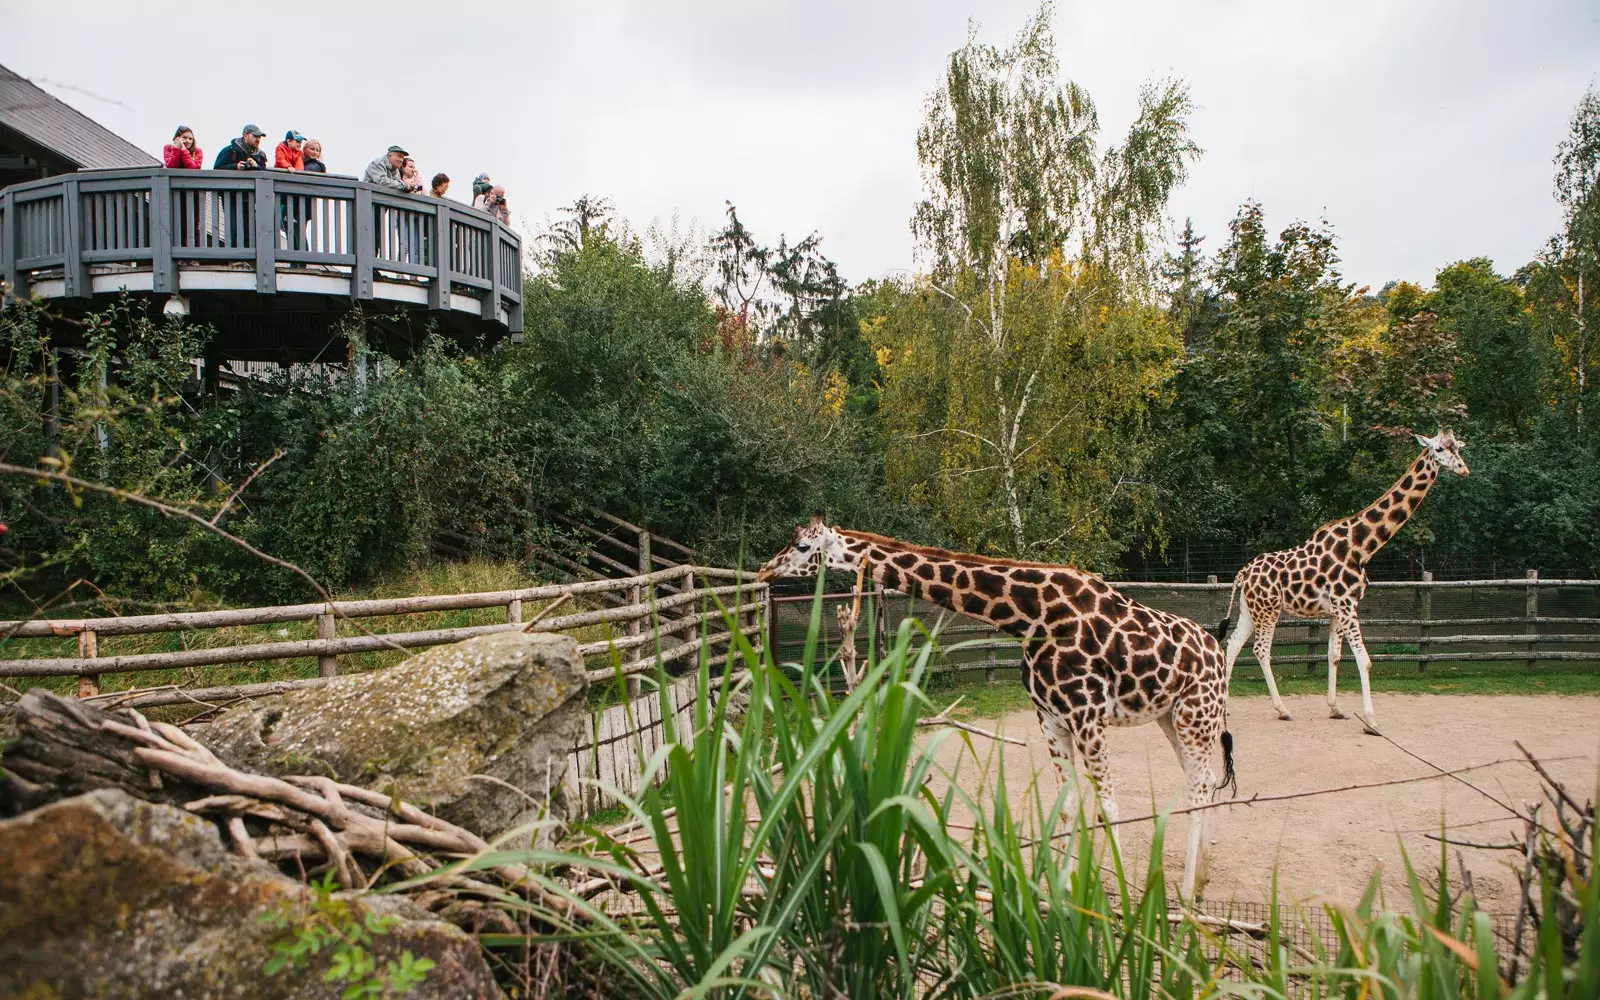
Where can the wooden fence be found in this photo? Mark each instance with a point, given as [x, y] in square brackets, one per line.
[1527, 620]
[674, 619]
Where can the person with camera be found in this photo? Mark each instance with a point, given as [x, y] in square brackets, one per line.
[243, 153]
[493, 202]
[181, 153]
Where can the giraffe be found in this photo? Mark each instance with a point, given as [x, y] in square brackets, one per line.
[1092, 658]
[1326, 576]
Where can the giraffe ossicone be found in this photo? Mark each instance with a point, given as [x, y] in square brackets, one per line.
[1325, 577]
[1092, 657]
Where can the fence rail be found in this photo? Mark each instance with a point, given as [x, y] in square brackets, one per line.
[674, 620]
[1432, 621]
[162, 231]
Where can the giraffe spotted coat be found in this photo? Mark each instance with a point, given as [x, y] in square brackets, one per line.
[1092, 657]
[1326, 576]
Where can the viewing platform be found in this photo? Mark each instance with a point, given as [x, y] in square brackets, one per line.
[273, 259]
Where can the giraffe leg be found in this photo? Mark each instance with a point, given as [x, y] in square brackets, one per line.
[1240, 635]
[1193, 747]
[1350, 629]
[1334, 650]
[1265, 628]
[1090, 740]
[1059, 739]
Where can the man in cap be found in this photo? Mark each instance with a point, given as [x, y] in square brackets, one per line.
[385, 170]
[290, 154]
[243, 153]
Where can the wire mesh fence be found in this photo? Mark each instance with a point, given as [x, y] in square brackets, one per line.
[1408, 625]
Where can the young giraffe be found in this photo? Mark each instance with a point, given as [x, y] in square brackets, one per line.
[1326, 576]
[1092, 658]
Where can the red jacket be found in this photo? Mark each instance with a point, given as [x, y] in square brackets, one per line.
[290, 159]
[182, 159]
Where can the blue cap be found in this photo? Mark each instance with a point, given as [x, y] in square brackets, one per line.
[292, 136]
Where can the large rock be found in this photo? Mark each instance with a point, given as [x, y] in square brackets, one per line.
[506, 705]
[108, 896]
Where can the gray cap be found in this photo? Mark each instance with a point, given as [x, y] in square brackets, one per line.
[397, 149]
[252, 130]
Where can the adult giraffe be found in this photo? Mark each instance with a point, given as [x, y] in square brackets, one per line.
[1092, 657]
[1327, 575]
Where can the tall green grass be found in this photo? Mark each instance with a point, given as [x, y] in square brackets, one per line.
[808, 858]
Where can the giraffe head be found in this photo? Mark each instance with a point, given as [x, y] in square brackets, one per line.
[1445, 449]
[811, 543]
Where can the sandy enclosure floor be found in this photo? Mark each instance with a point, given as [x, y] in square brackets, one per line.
[1332, 843]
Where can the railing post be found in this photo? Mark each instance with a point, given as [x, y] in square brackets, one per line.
[266, 236]
[362, 277]
[163, 268]
[1425, 614]
[327, 666]
[88, 649]
[9, 272]
[75, 271]
[1532, 612]
[514, 610]
[439, 293]
[988, 672]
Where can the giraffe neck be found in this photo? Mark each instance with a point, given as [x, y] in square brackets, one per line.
[1385, 516]
[1013, 597]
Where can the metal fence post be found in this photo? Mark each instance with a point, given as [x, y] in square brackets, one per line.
[1424, 614]
[327, 666]
[1532, 613]
[88, 649]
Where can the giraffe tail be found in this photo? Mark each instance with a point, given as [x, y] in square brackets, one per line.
[1229, 779]
[1227, 616]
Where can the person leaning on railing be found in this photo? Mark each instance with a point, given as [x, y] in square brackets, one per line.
[290, 154]
[385, 170]
[243, 153]
[313, 158]
[181, 153]
[412, 177]
[441, 184]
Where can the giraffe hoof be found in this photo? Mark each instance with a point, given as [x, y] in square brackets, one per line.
[1334, 713]
[1369, 727]
[1285, 716]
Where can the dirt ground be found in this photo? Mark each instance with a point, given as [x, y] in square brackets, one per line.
[1331, 844]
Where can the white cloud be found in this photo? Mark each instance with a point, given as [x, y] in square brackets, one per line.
[1422, 131]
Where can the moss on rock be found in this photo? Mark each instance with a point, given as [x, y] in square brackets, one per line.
[506, 705]
[108, 896]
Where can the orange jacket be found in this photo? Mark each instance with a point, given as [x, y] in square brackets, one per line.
[290, 159]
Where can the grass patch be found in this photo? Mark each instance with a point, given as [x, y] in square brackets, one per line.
[984, 700]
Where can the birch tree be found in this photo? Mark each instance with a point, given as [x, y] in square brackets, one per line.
[1020, 196]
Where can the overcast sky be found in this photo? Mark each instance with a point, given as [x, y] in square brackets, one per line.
[1423, 131]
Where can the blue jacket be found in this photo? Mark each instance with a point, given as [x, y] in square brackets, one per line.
[234, 152]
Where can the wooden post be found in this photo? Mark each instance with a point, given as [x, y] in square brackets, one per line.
[514, 610]
[1311, 646]
[988, 673]
[88, 649]
[327, 666]
[1425, 614]
[1532, 611]
[691, 632]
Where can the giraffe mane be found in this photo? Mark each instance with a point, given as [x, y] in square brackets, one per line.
[933, 552]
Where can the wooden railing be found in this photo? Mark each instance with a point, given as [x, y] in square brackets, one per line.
[672, 623]
[154, 230]
[1524, 620]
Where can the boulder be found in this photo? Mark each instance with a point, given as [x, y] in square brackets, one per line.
[109, 896]
[507, 705]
